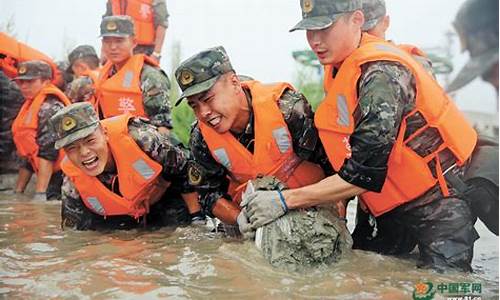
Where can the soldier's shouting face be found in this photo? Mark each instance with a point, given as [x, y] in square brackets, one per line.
[91, 154]
[118, 49]
[223, 107]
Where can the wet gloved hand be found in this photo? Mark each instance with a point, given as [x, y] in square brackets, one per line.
[263, 207]
[40, 196]
[244, 226]
[198, 218]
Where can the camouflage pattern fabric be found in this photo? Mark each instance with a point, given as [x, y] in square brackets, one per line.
[373, 10]
[11, 101]
[199, 73]
[118, 26]
[442, 228]
[210, 177]
[33, 69]
[46, 137]
[172, 211]
[320, 14]
[80, 52]
[155, 87]
[81, 89]
[73, 122]
[302, 238]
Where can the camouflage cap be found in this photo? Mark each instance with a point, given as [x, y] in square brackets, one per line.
[80, 89]
[477, 26]
[79, 52]
[200, 72]
[74, 122]
[373, 10]
[120, 26]
[320, 14]
[33, 69]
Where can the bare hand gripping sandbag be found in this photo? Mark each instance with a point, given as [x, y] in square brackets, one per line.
[301, 238]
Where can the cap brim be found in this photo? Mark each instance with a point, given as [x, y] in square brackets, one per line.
[197, 88]
[475, 67]
[316, 23]
[26, 77]
[80, 134]
[115, 34]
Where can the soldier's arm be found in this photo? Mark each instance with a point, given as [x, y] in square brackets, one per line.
[74, 214]
[160, 22]
[164, 149]
[45, 137]
[299, 117]
[386, 91]
[209, 179]
[155, 87]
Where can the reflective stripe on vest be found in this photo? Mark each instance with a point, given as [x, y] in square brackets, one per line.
[96, 206]
[143, 169]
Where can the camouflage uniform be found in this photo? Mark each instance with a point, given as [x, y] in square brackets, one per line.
[298, 116]
[45, 137]
[442, 228]
[155, 84]
[165, 150]
[198, 74]
[160, 18]
[81, 89]
[11, 101]
[374, 11]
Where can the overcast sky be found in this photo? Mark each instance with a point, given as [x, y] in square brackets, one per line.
[254, 32]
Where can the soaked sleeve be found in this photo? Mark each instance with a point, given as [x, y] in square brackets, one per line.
[160, 13]
[386, 90]
[299, 117]
[205, 173]
[155, 87]
[164, 149]
[45, 137]
[74, 213]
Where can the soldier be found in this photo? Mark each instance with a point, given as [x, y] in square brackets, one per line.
[33, 138]
[388, 136]
[150, 20]
[477, 26]
[120, 170]
[128, 82]
[246, 129]
[11, 101]
[84, 65]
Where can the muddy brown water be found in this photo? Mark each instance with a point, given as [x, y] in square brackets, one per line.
[38, 260]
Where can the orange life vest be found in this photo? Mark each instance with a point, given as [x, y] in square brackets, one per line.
[24, 127]
[142, 13]
[409, 175]
[139, 178]
[121, 93]
[273, 150]
[16, 52]
[414, 51]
